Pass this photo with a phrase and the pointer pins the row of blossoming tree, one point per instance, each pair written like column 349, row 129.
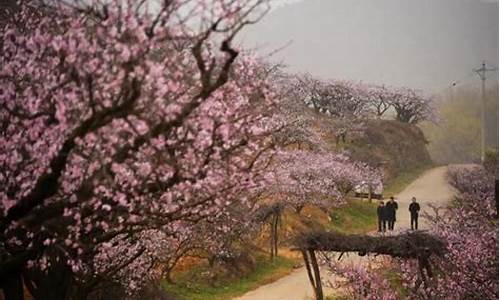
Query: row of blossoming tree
column 345, row 106
column 347, row 99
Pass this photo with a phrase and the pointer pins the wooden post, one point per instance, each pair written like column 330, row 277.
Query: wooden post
column 317, row 277
column 370, row 194
column 308, row 268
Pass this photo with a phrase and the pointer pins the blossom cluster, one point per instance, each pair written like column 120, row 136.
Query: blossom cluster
column 321, row 179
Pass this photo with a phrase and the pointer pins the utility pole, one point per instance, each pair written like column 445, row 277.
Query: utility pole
column 482, row 74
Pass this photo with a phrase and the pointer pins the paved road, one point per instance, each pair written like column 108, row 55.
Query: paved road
column 431, row 187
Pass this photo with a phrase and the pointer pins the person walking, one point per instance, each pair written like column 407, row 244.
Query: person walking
column 391, row 208
column 414, row 209
column 382, row 216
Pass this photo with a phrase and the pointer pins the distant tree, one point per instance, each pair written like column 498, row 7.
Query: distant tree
column 337, row 98
column 378, row 98
column 412, row 106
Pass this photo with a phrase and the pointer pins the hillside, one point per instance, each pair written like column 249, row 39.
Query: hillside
column 394, row 147
column 391, row 145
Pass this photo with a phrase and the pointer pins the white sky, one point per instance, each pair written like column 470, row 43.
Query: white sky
column 418, row 43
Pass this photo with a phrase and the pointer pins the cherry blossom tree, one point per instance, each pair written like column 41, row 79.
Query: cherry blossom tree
column 337, row 98
column 377, row 98
column 153, row 255
column 412, row 106
column 349, row 101
column 358, row 281
column 121, row 124
column 300, row 130
column 316, row 178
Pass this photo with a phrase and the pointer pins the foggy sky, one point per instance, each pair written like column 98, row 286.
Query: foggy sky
column 418, row 43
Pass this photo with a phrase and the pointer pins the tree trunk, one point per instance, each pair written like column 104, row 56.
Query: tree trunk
column 54, row 283
column 276, row 223
column 13, row 287
column 272, row 236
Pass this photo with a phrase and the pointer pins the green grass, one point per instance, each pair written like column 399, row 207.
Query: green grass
column 398, row 184
column 191, row 286
column 357, row 216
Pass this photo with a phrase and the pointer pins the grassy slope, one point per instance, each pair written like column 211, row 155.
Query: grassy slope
column 190, row 285
column 357, row 216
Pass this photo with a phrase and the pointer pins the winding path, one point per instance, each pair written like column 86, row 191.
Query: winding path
column 430, row 188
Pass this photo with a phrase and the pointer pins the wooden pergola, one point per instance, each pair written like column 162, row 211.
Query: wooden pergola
column 411, row 245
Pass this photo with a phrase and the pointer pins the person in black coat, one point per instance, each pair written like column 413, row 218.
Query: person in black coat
column 414, row 209
column 382, row 216
column 391, row 208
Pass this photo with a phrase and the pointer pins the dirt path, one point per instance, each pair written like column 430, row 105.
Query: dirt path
column 430, row 188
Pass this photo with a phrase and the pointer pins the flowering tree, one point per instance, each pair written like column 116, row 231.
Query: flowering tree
column 349, row 101
column 411, row 106
column 300, row 129
column 359, row 282
column 378, row 98
column 316, row 178
column 120, row 123
column 214, row 238
column 337, row 98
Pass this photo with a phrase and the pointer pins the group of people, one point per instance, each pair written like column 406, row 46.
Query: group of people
column 387, row 214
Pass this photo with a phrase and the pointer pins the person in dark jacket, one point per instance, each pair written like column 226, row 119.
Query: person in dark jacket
column 391, row 208
column 414, row 209
column 382, row 216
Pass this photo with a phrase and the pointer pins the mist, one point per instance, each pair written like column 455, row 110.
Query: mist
column 425, row 44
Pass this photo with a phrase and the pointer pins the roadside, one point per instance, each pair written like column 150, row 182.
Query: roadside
column 192, row 285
